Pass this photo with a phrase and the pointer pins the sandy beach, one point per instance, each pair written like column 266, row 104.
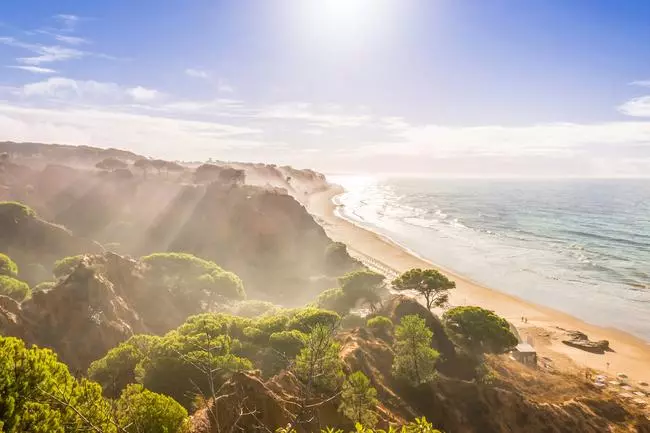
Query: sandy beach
column 630, row 354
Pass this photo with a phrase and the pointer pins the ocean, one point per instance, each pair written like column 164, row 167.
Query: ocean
column 578, row 246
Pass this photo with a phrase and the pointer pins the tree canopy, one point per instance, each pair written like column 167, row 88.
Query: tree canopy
column 7, row 266
column 415, row 359
column 479, row 330
column 192, row 280
column 318, row 364
column 111, row 164
column 359, row 400
column 429, row 283
column 66, row 265
column 14, row 288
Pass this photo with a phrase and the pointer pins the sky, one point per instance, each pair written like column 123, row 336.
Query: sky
column 460, row 88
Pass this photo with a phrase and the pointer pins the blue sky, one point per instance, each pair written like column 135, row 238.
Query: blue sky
column 434, row 87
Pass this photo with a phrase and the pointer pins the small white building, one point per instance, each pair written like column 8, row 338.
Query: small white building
column 525, row 353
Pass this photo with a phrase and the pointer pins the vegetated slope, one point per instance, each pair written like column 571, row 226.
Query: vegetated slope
column 34, row 244
column 452, row 404
column 258, row 229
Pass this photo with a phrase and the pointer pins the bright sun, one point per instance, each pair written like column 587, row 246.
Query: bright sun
column 344, row 21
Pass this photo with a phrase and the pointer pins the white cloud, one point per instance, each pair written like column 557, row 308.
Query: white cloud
column 196, row 73
column 637, row 107
column 51, row 53
column 642, row 83
column 34, row 69
column 320, row 116
column 142, row 94
column 68, row 21
column 71, row 40
column 66, row 88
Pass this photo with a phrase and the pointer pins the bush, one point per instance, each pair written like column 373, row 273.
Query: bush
column 45, row 285
column 255, row 308
column 335, row 300
column 8, row 267
column 307, row 318
column 119, row 366
column 12, row 212
column 318, row 363
column 66, row 265
column 479, row 330
column 33, row 383
column 288, row 343
column 380, row 323
column 141, row 410
column 192, row 280
column 14, row 288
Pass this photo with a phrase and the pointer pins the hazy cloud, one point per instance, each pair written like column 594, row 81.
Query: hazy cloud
column 34, row 69
column 196, row 73
column 637, row 107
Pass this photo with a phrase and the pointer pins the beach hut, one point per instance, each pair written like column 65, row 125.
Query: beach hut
column 525, row 353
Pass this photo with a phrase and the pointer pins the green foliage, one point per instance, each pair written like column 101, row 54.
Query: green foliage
column 429, row 283
column 192, row 280
column 415, row 359
column 14, row 212
column 179, row 365
column 418, row 425
column 14, row 288
column 119, row 367
column 364, row 285
column 479, row 330
column 255, row 308
column 359, row 399
column 33, row 388
column 66, row 265
column 45, row 285
column 380, row 323
column 334, row 300
column 8, row 267
column 141, row 410
column 288, row 343
column 308, row 318
column 318, row 364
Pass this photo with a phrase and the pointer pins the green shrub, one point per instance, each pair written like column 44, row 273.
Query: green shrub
column 66, row 265
column 8, row 267
column 255, row 309
column 119, row 367
column 192, row 280
column 14, row 212
column 288, row 343
column 380, row 323
column 335, row 300
column 479, row 330
column 318, row 363
column 307, row 318
column 141, row 410
column 33, row 383
column 14, row 288
column 45, row 285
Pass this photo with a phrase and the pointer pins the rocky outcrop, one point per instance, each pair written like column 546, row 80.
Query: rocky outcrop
column 581, row 341
column 83, row 316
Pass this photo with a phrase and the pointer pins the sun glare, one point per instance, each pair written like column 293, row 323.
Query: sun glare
column 345, row 22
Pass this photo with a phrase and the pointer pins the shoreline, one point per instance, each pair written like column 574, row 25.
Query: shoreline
column 631, row 355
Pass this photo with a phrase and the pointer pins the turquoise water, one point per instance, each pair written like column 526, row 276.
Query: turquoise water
column 580, row 246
